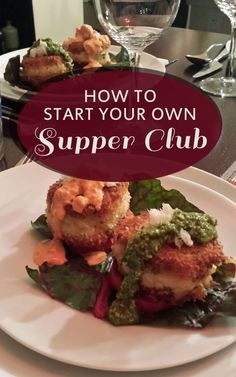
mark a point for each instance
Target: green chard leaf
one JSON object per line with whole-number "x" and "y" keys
{"x": 66, "y": 283}
{"x": 220, "y": 300}
{"x": 122, "y": 58}
{"x": 12, "y": 70}
{"x": 149, "y": 194}
{"x": 35, "y": 276}
{"x": 41, "y": 226}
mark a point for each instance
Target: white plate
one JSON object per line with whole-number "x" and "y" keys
{"x": 15, "y": 93}
{"x": 61, "y": 333}
{"x": 209, "y": 180}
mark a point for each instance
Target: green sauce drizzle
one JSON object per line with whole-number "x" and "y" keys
{"x": 54, "y": 48}
{"x": 142, "y": 248}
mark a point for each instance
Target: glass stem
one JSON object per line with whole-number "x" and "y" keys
{"x": 134, "y": 56}
{"x": 232, "y": 50}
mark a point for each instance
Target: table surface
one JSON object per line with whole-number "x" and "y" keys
{"x": 175, "y": 43}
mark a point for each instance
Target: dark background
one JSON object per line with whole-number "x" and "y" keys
{"x": 20, "y": 13}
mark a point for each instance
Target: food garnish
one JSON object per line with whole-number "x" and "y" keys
{"x": 43, "y": 47}
{"x": 143, "y": 246}
{"x": 69, "y": 284}
{"x": 44, "y": 61}
{"x": 12, "y": 71}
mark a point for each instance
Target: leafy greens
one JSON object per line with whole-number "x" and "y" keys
{"x": 12, "y": 71}
{"x": 41, "y": 226}
{"x": 122, "y": 58}
{"x": 68, "y": 284}
{"x": 149, "y": 194}
{"x": 78, "y": 285}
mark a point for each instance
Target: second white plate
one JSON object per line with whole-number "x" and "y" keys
{"x": 16, "y": 93}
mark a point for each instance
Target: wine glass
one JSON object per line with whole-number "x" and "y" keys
{"x": 225, "y": 86}
{"x": 135, "y": 24}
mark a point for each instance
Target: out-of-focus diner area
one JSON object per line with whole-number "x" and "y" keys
{"x": 199, "y": 24}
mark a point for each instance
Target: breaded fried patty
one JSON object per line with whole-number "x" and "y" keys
{"x": 88, "y": 47}
{"x": 84, "y": 213}
{"x": 174, "y": 274}
{"x": 42, "y": 68}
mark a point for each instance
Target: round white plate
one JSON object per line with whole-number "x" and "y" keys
{"x": 61, "y": 333}
{"x": 15, "y": 93}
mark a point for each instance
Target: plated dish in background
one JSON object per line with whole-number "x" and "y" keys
{"x": 28, "y": 70}
{"x": 46, "y": 60}
{"x": 118, "y": 348}
{"x": 16, "y": 93}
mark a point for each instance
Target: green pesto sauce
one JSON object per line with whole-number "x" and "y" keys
{"x": 54, "y": 48}
{"x": 142, "y": 248}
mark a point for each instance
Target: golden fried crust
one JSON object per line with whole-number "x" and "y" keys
{"x": 42, "y": 68}
{"x": 111, "y": 195}
{"x": 188, "y": 262}
{"x": 174, "y": 275}
{"x": 92, "y": 229}
{"x": 74, "y": 46}
{"x": 87, "y": 46}
{"x": 75, "y": 49}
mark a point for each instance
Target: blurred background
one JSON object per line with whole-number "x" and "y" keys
{"x": 22, "y": 21}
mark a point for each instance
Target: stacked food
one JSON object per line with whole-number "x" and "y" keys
{"x": 167, "y": 257}
{"x": 127, "y": 265}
